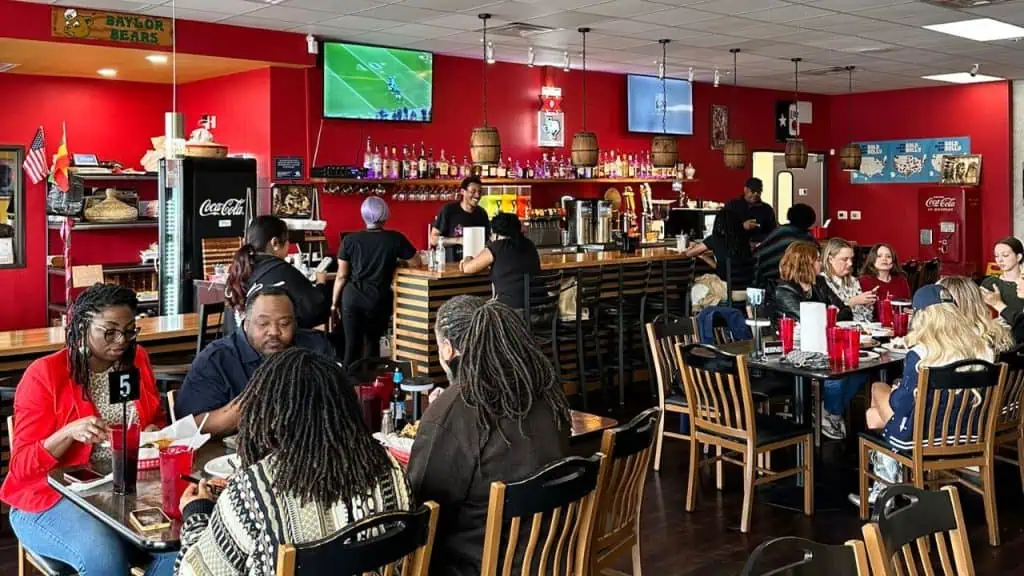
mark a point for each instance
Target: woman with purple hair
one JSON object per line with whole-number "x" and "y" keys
{"x": 362, "y": 291}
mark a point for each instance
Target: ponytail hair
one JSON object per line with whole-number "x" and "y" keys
{"x": 258, "y": 237}
{"x": 508, "y": 225}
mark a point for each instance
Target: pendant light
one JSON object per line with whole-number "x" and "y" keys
{"x": 584, "y": 144}
{"x": 664, "y": 148}
{"x": 735, "y": 150}
{"x": 796, "y": 148}
{"x": 485, "y": 142}
{"x": 849, "y": 155}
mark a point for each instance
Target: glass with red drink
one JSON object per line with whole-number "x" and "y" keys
{"x": 124, "y": 457}
{"x": 833, "y": 338}
{"x": 885, "y": 312}
{"x": 833, "y": 315}
{"x": 175, "y": 461}
{"x": 786, "y": 329}
{"x": 851, "y": 348}
{"x": 900, "y": 323}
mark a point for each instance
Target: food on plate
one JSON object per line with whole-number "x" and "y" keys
{"x": 410, "y": 430}
{"x": 158, "y": 444}
{"x": 898, "y": 343}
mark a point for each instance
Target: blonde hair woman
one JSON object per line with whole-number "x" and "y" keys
{"x": 968, "y": 298}
{"x": 940, "y": 334}
{"x": 837, "y": 268}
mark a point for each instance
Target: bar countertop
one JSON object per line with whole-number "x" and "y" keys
{"x": 560, "y": 262}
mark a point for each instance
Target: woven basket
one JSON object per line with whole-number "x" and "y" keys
{"x": 198, "y": 150}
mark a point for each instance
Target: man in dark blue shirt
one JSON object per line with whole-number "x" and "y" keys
{"x": 758, "y": 218}
{"x": 221, "y": 372}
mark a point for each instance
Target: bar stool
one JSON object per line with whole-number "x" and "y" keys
{"x": 674, "y": 297}
{"x": 628, "y": 311}
{"x": 540, "y": 310}
{"x": 587, "y": 283}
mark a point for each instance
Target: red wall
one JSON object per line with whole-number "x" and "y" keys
{"x": 112, "y": 119}
{"x": 889, "y": 211}
{"x": 513, "y": 99}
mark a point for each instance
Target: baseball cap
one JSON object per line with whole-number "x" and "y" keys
{"x": 931, "y": 294}
{"x": 754, "y": 184}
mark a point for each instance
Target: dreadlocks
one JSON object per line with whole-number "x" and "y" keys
{"x": 300, "y": 408}
{"x": 93, "y": 301}
{"x": 501, "y": 370}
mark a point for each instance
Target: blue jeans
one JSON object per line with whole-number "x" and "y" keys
{"x": 67, "y": 533}
{"x": 837, "y": 394}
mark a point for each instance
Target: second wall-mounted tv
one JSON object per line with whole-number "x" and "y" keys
{"x": 646, "y": 99}
{"x": 377, "y": 83}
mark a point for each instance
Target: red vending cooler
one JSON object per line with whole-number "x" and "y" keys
{"x": 949, "y": 226}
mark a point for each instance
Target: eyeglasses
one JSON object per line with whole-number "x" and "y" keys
{"x": 110, "y": 335}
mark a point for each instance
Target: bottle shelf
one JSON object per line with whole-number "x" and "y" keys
{"x": 491, "y": 181}
{"x": 111, "y": 269}
{"x": 79, "y": 225}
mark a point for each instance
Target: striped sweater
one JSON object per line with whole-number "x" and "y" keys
{"x": 240, "y": 534}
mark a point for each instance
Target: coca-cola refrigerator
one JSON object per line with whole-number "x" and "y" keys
{"x": 949, "y": 226}
{"x": 205, "y": 206}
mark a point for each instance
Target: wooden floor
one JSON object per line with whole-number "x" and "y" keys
{"x": 708, "y": 542}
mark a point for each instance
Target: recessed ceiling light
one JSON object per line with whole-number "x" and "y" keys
{"x": 962, "y": 78}
{"x": 981, "y": 29}
{"x": 157, "y": 58}
{"x": 107, "y": 72}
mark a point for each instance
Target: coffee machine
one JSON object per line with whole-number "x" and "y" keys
{"x": 589, "y": 222}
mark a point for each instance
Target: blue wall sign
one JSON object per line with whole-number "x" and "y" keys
{"x": 906, "y": 161}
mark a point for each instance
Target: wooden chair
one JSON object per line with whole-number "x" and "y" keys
{"x": 373, "y": 544}
{"x": 807, "y": 558}
{"x": 210, "y": 324}
{"x": 662, "y": 339}
{"x": 621, "y": 488}
{"x": 1009, "y": 427}
{"x": 559, "y": 500}
{"x": 949, "y": 434}
{"x": 924, "y": 525}
{"x": 722, "y": 414}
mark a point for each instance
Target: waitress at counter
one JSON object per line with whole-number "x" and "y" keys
{"x": 454, "y": 217}
{"x": 511, "y": 255}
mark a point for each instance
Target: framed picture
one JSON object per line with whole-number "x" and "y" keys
{"x": 719, "y": 126}
{"x": 292, "y": 201}
{"x": 961, "y": 169}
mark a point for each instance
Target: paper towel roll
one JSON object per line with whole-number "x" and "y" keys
{"x": 812, "y": 327}
{"x": 473, "y": 240}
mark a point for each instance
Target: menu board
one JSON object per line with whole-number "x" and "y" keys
{"x": 906, "y": 161}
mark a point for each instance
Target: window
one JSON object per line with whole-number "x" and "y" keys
{"x": 12, "y": 207}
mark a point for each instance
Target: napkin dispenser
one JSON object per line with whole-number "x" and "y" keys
{"x": 813, "y": 319}
{"x": 474, "y": 239}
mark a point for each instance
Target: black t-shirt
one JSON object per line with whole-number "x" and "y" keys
{"x": 511, "y": 261}
{"x": 372, "y": 257}
{"x": 763, "y": 213}
{"x": 452, "y": 219}
{"x": 742, "y": 265}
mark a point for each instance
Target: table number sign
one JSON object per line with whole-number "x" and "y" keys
{"x": 124, "y": 386}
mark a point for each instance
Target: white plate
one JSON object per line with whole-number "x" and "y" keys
{"x": 892, "y": 348}
{"x": 868, "y": 355}
{"x": 847, "y": 324}
{"x": 221, "y": 467}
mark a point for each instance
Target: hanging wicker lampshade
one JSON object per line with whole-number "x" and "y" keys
{"x": 849, "y": 155}
{"x": 735, "y": 154}
{"x": 664, "y": 148}
{"x": 584, "y": 143}
{"x": 796, "y": 149}
{"x": 485, "y": 142}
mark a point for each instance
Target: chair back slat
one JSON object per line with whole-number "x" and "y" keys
{"x": 589, "y": 282}
{"x": 792, "y": 556}
{"x": 569, "y": 485}
{"x": 960, "y": 414}
{"x": 915, "y": 531}
{"x": 211, "y": 323}
{"x": 540, "y": 303}
{"x": 1013, "y": 390}
{"x": 634, "y": 280}
{"x": 662, "y": 339}
{"x": 717, "y": 390}
{"x": 367, "y": 546}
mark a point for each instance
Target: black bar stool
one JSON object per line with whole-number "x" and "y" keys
{"x": 586, "y": 282}
{"x": 540, "y": 310}
{"x": 628, "y": 311}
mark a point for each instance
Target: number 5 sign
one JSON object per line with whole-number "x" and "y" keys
{"x": 124, "y": 386}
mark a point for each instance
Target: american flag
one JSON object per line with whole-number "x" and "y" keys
{"x": 35, "y": 161}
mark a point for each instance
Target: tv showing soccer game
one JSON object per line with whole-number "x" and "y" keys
{"x": 377, "y": 83}
{"x": 646, "y": 100}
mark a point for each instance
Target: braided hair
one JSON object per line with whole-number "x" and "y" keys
{"x": 300, "y": 408}
{"x": 93, "y": 301}
{"x": 502, "y": 371}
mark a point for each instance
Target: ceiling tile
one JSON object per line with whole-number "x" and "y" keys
{"x": 446, "y": 5}
{"x": 118, "y": 5}
{"x": 627, "y": 8}
{"x": 1012, "y": 12}
{"x": 361, "y": 23}
{"x": 632, "y": 28}
{"x": 463, "y": 22}
{"x": 519, "y": 11}
{"x": 184, "y": 13}
{"x": 791, "y": 13}
{"x": 564, "y": 4}
{"x": 677, "y": 17}
{"x": 420, "y": 31}
{"x": 337, "y": 7}
{"x": 289, "y": 14}
{"x": 400, "y": 13}
{"x": 569, "y": 19}
{"x": 766, "y": 31}
{"x": 253, "y": 22}
{"x": 327, "y": 32}
{"x": 222, "y": 6}
{"x": 843, "y": 24}
{"x": 615, "y": 42}
{"x": 851, "y": 5}
{"x": 912, "y": 14}
{"x": 388, "y": 39}
{"x": 733, "y": 7}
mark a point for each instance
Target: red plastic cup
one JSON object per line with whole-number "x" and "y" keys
{"x": 833, "y": 314}
{"x": 786, "y": 328}
{"x": 851, "y": 349}
{"x": 833, "y": 339}
{"x": 175, "y": 461}
{"x": 885, "y": 312}
{"x": 124, "y": 457}
{"x": 900, "y": 323}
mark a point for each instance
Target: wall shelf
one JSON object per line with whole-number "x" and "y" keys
{"x": 79, "y": 225}
{"x": 137, "y": 176}
{"x": 490, "y": 181}
{"x": 111, "y": 269}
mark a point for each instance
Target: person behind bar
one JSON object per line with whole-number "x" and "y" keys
{"x": 454, "y": 217}
{"x": 221, "y": 372}
{"x": 511, "y": 255}
{"x": 503, "y": 417}
{"x": 758, "y": 218}
{"x": 62, "y": 415}
{"x": 362, "y": 290}
{"x": 261, "y": 260}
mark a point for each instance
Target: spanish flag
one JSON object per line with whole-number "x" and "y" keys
{"x": 61, "y": 161}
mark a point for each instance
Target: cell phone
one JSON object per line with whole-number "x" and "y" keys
{"x": 215, "y": 487}
{"x": 149, "y": 519}
{"x": 82, "y": 476}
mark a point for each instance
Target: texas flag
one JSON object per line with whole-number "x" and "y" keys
{"x": 61, "y": 162}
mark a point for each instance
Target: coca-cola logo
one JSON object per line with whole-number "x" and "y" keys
{"x": 945, "y": 203}
{"x": 232, "y": 207}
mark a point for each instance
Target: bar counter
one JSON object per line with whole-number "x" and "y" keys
{"x": 419, "y": 292}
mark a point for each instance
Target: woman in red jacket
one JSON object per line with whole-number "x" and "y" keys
{"x": 61, "y": 416}
{"x": 882, "y": 271}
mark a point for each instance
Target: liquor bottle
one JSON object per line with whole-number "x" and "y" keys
{"x": 368, "y": 159}
{"x": 422, "y": 167}
{"x": 406, "y": 171}
{"x": 431, "y": 165}
{"x": 502, "y": 170}
{"x": 398, "y": 408}
{"x": 518, "y": 170}
{"x": 464, "y": 168}
{"x": 492, "y": 171}
{"x": 453, "y": 168}
{"x": 632, "y": 166}
{"x": 530, "y": 174}
{"x": 378, "y": 166}
{"x": 396, "y": 164}
{"x": 442, "y": 166}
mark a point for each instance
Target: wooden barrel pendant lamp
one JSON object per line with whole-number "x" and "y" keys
{"x": 664, "y": 147}
{"x": 485, "y": 142}
{"x": 584, "y": 143}
{"x": 796, "y": 148}
{"x": 735, "y": 150}
{"x": 849, "y": 155}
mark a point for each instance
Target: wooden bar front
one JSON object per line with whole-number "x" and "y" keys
{"x": 419, "y": 292}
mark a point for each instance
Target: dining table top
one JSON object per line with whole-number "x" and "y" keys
{"x": 882, "y": 359}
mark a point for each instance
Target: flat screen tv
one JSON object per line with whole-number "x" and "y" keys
{"x": 646, "y": 100}
{"x": 377, "y": 83}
